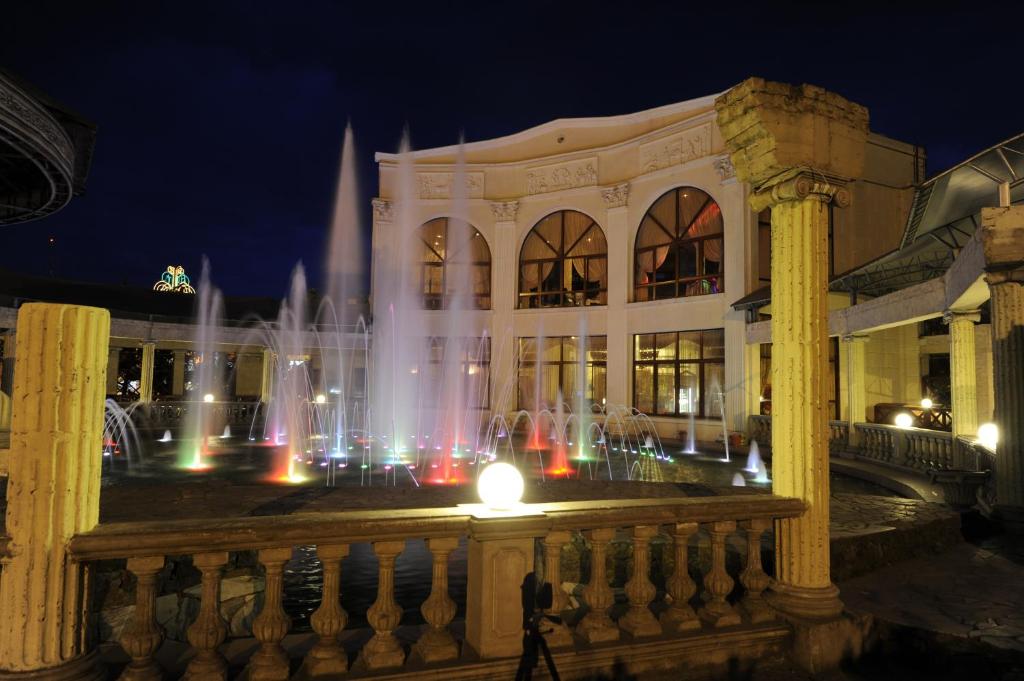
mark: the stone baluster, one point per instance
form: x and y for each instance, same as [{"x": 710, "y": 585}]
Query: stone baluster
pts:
[
  {"x": 717, "y": 583},
  {"x": 383, "y": 650},
  {"x": 327, "y": 657},
  {"x": 437, "y": 644},
  {"x": 680, "y": 616},
  {"x": 142, "y": 636},
  {"x": 209, "y": 630},
  {"x": 559, "y": 635},
  {"x": 270, "y": 662},
  {"x": 753, "y": 577},
  {"x": 597, "y": 626},
  {"x": 639, "y": 620}
]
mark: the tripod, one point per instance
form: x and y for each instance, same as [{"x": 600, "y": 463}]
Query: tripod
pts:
[{"x": 534, "y": 603}]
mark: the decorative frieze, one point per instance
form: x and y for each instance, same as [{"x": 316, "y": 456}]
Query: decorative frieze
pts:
[
  {"x": 723, "y": 165},
  {"x": 383, "y": 210},
  {"x": 505, "y": 211},
  {"x": 676, "y": 149},
  {"x": 441, "y": 185},
  {"x": 615, "y": 196},
  {"x": 561, "y": 176}
]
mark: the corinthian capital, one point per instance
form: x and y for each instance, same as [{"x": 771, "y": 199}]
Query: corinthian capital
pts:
[
  {"x": 505, "y": 211},
  {"x": 383, "y": 210},
  {"x": 616, "y": 195}
]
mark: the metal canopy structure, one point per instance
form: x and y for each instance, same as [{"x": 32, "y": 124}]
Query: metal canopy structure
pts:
[{"x": 942, "y": 219}]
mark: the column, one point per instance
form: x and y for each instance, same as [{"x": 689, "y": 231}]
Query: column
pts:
[
  {"x": 178, "y": 374},
  {"x": 146, "y": 382},
  {"x": 267, "y": 381},
  {"x": 751, "y": 380},
  {"x": 6, "y": 377},
  {"x": 854, "y": 345},
  {"x": 963, "y": 375},
  {"x": 620, "y": 254},
  {"x": 797, "y": 146},
  {"x": 53, "y": 490},
  {"x": 1002, "y": 234},
  {"x": 504, "y": 298}
]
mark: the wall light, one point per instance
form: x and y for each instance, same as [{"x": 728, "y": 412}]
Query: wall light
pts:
[{"x": 988, "y": 435}]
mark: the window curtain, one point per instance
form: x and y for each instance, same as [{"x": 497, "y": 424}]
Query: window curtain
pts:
[
  {"x": 534, "y": 249},
  {"x": 708, "y": 222}
]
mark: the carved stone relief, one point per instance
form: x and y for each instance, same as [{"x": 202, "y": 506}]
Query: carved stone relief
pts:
[
  {"x": 439, "y": 185},
  {"x": 676, "y": 149},
  {"x": 560, "y": 176}
]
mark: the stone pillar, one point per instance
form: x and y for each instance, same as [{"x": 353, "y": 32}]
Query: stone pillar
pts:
[
  {"x": 1002, "y": 236},
  {"x": 178, "y": 374},
  {"x": 751, "y": 380},
  {"x": 267, "y": 382},
  {"x": 113, "y": 364},
  {"x": 53, "y": 491},
  {"x": 146, "y": 382},
  {"x": 620, "y": 281},
  {"x": 6, "y": 377},
  {"x": 797, "y": 146},
  {"x": 501, "y": 553},
  {"x": 854, "y": 346},
  {"x": 963, "y": 375},
  {"x": 504, "y": 298}
]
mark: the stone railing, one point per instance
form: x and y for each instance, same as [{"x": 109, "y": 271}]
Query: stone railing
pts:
[
  {"x": 173, "y": 414},
  {"x": 760, "y": 429},
  {"x": 915, "y": 449},
  {"x": 838, "y": 437},
  {"x": 694, "y": 533}
]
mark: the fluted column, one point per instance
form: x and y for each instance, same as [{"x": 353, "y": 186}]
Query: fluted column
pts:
[
  {"x": 437, "y": 644},
  {"x": 559, "y": 635},
  {"x": 142, "y": 635},
  {"x": 209, "y": 629},
  {"x": 680, "y": 616},
  {"x": 855, "y": 346},
  {"x": 596, "y": 626},
  {"x": 639, "y": 620},
  {"x": 53, "y": 487},
  {"x": 383, "y": 650},
  {"x": 270, "y": 662},
  {"x": 327, "y": 657},
  {"x": 963, "y": 373},
  {"x": 146, "y": 379}
]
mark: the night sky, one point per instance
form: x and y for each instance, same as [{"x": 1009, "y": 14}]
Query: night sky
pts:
[{"x": 220, "y": 123}]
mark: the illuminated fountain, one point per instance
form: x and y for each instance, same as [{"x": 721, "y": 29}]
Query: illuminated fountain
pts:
[{"x": 199, "y": 421}]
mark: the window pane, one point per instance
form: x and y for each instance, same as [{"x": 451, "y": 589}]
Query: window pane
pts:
[
  {"x": 527, "y": 350},
  {"x": 689, "y": 388},
  {"x": 552, "y": 351},
  {"x": 666, "y": 346},
  {"x": 549, "y": 385},
  {"x": 569, "y": 387},
  {"x": 597, "y": 382},
  {"x": 569, "y": 347},
  {"x": 666, "y": 389},
  {"x": 527, "y": 386},
  {"x": 643, "y": 385},
  {"x": 644, "y": 347},
  {"x": 714, "y": 344},
  {"x": 689, "y": 345},
  {"x": 714, "y": 380}
]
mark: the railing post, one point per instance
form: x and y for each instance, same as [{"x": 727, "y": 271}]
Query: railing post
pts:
[
  {"x": 753, "y": 577},
  {"x": 596, "y": 626},
  {"x": 559, "y": 635},
  {"x": 142, "y": 636},
  {"x": 680, "y": 616},
  {"x": 717, "y": 583},
  {"x": 270, "y": 662},
  {"x": 327, "y": 657},
  {"x": 383, "y": 650},
  {"x": 437, "y": 644},
  {"x": 639, "y": 620},
  {"x": 209, "y": 630},
  {"x": 53, "y": 489}
]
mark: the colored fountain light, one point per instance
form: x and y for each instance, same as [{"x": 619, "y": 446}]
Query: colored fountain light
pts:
[
  {"x": 903, "y": 420},
  {"x": 208, "y": 397},
  {"x": 500, "y": 486},
  {"x": 988, "y": 435},
  {"x": 926, "y": 403}
]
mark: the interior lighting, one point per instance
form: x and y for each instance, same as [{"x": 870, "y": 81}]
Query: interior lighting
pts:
[
  {"x": 903, "y": 420},
  {"x": 500, "y": 486},
  {"x": 988, "y": 435}
]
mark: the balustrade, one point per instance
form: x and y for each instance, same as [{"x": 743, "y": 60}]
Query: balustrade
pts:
[
  {"x": 746, "y": 518},
  {"x": 761, "y": 429}
]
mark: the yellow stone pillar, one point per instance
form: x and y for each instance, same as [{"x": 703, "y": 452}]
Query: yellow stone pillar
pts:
[
  {"x": 856, "y": 388},
  {"x": 267, "y": 383},
  {"x": 1002, "y": 236},
  {"x": 54, "y": 489},
  {"x": 146, "y": 380},
  {"x": 797, "y": 146},
  {"x": 963, "y": 374}
]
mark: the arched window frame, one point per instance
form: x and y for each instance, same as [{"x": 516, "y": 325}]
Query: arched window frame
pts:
[
  {"x": 440, "y": 299},
  {"x": 559, "y": 259},
  {"x": 701, "y": 282}
]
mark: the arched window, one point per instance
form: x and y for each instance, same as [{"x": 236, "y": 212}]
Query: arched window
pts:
[
  {"x": 456, "y": 263},
  {"x": 679, "y": 247},
  {"x": 564, "y": 262}
]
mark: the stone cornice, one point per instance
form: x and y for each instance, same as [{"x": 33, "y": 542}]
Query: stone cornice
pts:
[
  {"x": 504, "y": 211},
  {"x": 856, "y": 338},
  {"x": 615, "y": 196}
]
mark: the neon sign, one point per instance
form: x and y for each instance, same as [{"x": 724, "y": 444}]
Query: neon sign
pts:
[{"x": 174, "y": 279}]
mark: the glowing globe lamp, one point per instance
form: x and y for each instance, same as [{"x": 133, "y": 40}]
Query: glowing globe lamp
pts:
[
  {"x": 926, "y": 403},
  {"x": 904, "y": 420},
  {"x": 208, "y": 397},
  {"x": 320, "y": 399},
  {"x": 500, "y": 486},
  {"x": 988, "y": 435}
]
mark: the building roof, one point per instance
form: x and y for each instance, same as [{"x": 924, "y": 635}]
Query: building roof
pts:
[{"x": 45, "y": 152}]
